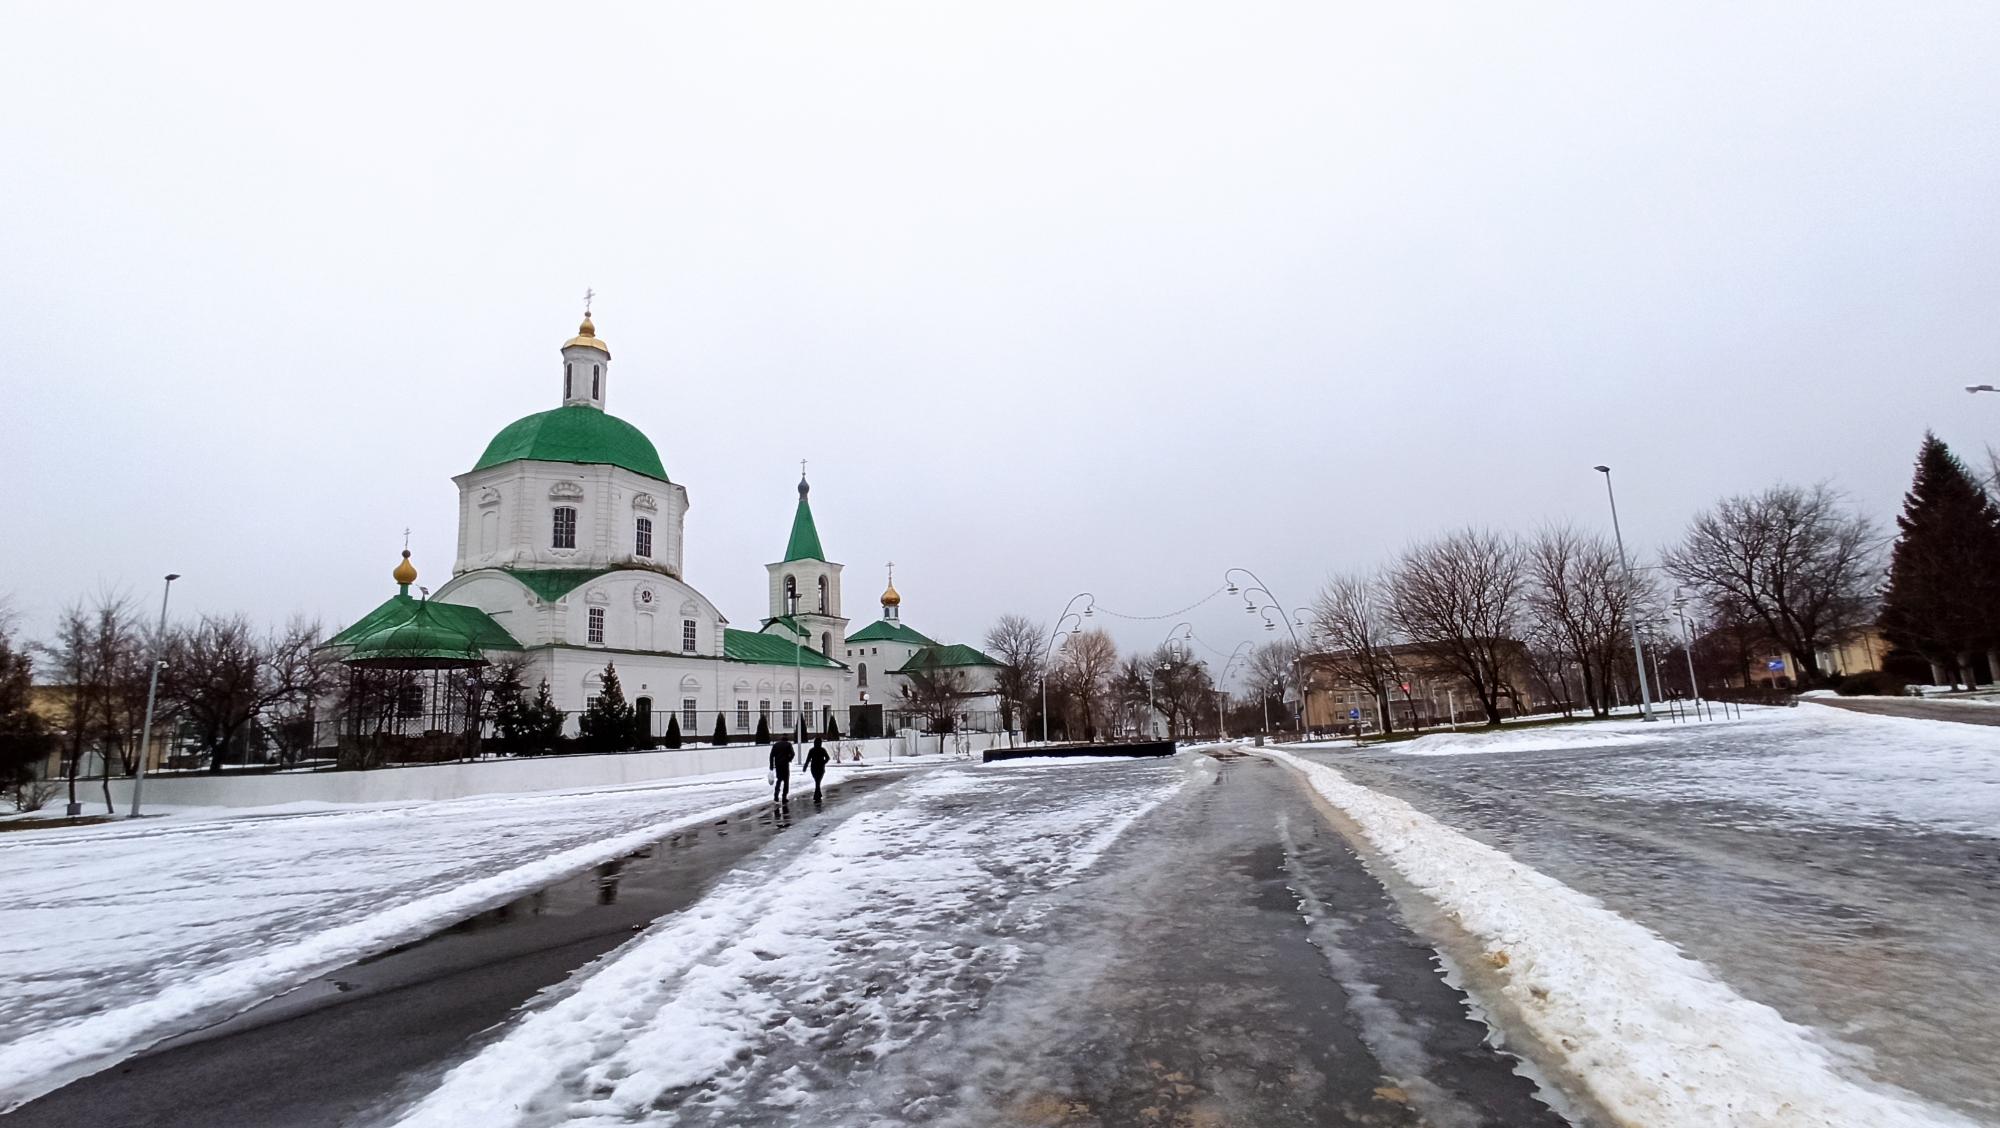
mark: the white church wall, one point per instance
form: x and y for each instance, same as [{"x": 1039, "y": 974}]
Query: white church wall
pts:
[
  {"x": 507, "y": 517},
  {"x": 505, "y": 600},
  {"x": 431, "y": 782},
  {"x": 444, "y": 781}
]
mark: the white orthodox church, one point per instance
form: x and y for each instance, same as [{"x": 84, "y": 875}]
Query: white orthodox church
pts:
[{"x": 570, "y": 555}]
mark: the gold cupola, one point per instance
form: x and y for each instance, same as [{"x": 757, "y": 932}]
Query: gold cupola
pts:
[
  {"x": 405, "y": 573},
  {"x": 891, "y": 600},
  {"x": 586, "y": 337}
]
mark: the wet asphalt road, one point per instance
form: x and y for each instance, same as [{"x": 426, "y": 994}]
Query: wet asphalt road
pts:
[
  {"x": 1959, "y": 712},
  {"x": 331, "y": 1051},
  {"x": 1234, "y": 964}
]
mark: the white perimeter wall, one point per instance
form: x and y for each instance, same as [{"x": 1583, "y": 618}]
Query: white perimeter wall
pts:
[{"x": 492, "y": 777}]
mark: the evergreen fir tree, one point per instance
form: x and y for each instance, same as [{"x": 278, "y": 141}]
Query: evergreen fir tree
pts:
[
  {"x": 763, "y": 729},
  {"x": 24, "y": 739},
  {"x": 673, "y": 737},
  {"x": 545, "y": 722},
  {"x": 1944, "y": 574},
  {"x": 832, "y": 728},
  {"x": 607, "y": 721},
  {"x": 507, "y": 705},
  {"x": 720, "y": 736}
]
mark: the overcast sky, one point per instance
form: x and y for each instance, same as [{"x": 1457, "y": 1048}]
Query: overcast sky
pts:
[{"x": 1055, "y": 297}]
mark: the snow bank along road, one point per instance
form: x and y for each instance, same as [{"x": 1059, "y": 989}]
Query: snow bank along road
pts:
[
  {"x": 1138, "y": 943},
  {"x": 113, "y": 938},
  {"x": 1799, "y": 907}
]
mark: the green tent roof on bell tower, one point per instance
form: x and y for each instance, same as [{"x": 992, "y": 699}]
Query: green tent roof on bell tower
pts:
[{"x": 804, "y": 544}]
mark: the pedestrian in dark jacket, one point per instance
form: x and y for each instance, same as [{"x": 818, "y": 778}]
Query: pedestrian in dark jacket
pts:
[
  {"x": 816, "y": 764},
  {"x": 781, "y": 771}
]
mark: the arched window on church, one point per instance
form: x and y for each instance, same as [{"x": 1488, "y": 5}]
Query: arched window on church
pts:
[
  {"x": 596, "y": 381},
  {"x": 826, "y": 643},
  {"x": 791, "y": 594},
  {"x": 569, "y": 380},
  {"x": 823, "y": 607},
  {"x": 861, "y": 676},
  {"x": 564, "y": 533},
  {"x": 642, "y": 536}
]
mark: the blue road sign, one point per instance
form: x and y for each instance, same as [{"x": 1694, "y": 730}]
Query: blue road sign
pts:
[{"x": 1354, "y": 714}]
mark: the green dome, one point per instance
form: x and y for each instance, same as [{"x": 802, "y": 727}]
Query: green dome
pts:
[{"x": 575, "y": 434}]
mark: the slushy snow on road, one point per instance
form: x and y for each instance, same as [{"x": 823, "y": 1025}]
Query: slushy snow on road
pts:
[{"x": 847, "y": 948}]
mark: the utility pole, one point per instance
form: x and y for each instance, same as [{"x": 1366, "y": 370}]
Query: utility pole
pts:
[
  {"x": 1638, "y": 655},
  {"x": 152, "y": 692}
]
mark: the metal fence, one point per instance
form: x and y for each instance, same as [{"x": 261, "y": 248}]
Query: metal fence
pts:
[{"x": 382, "y": 741}]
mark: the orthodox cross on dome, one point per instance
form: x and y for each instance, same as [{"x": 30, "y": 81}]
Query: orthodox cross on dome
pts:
[
  {"x": 406, "y": 536},
  {"x": 588, "y": 294}
]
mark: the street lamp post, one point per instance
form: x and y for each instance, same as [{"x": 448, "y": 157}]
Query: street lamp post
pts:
[
  {"x": 1236, "y": 655},
  {"x": 798, "y": 668},
  {"x": 1090, "y": 605},
  {"x": 1153, "y": 699},
  {"x": 1638, "y": 656},
  {"x": 152, "y": 692},
  {"x": 1687, "y": 651},
  {"x": 1251, "y": 592}
]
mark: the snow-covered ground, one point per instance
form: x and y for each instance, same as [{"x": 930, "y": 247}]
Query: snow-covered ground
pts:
[
  {"x": 866, "y": 939},
  {"x": 117, "y": 936},
  {"x": 1835, "y": 867}
]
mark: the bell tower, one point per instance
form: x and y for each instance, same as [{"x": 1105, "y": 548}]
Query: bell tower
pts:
[{"x": 805, "y": 586}]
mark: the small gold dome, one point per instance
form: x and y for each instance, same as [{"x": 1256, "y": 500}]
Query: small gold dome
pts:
[
  {"x": 890, "y": 598},
  {"x": 406, "y": 572},
  {"x": 586, "y": 336}
]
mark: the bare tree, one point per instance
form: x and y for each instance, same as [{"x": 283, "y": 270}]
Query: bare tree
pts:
[
  {"x": 1353, "y": 624},
  {"x": 1087, "y": 662},
  {"x": 1131, "y": 691},
  {"x": 1459, "y": 599},
  {"x": 97, "y": 655},
  {"x": 1582, "y": 604},
  {"x": 1802, "y": 566},
  {"x": 300, "y": 676},
  {"x": 1184, "y": 687},
  {"x": 1273, "y": 672},
  {"x": 222, "y": 676},
  {"x": 936, "y": 694},
  {"x": 1017, "y": 641},
  {"x": 124, "y": 646}
]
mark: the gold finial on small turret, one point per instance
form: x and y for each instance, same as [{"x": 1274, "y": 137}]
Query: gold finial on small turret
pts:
[
  {"x": 586, "y": 333},
  {"x": 890, "y": 598},
  {"x": 406, "y": 572}
]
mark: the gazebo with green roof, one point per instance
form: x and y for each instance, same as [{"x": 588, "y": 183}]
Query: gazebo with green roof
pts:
[{"x": 413, "y": 683}]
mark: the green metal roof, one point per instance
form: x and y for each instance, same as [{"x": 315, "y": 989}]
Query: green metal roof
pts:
[
  {"x": 770, "y": 650},
  {"x": 941, "y": 657},
  {"x": 574, "y": 433},
  {"x": 804, "y": 544},
  {"x": 421, "y": 630},
  {"x": 882, "y": 630},
  {"x": 551, "y": 584},
  {"x": 787, "y": 622}
]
